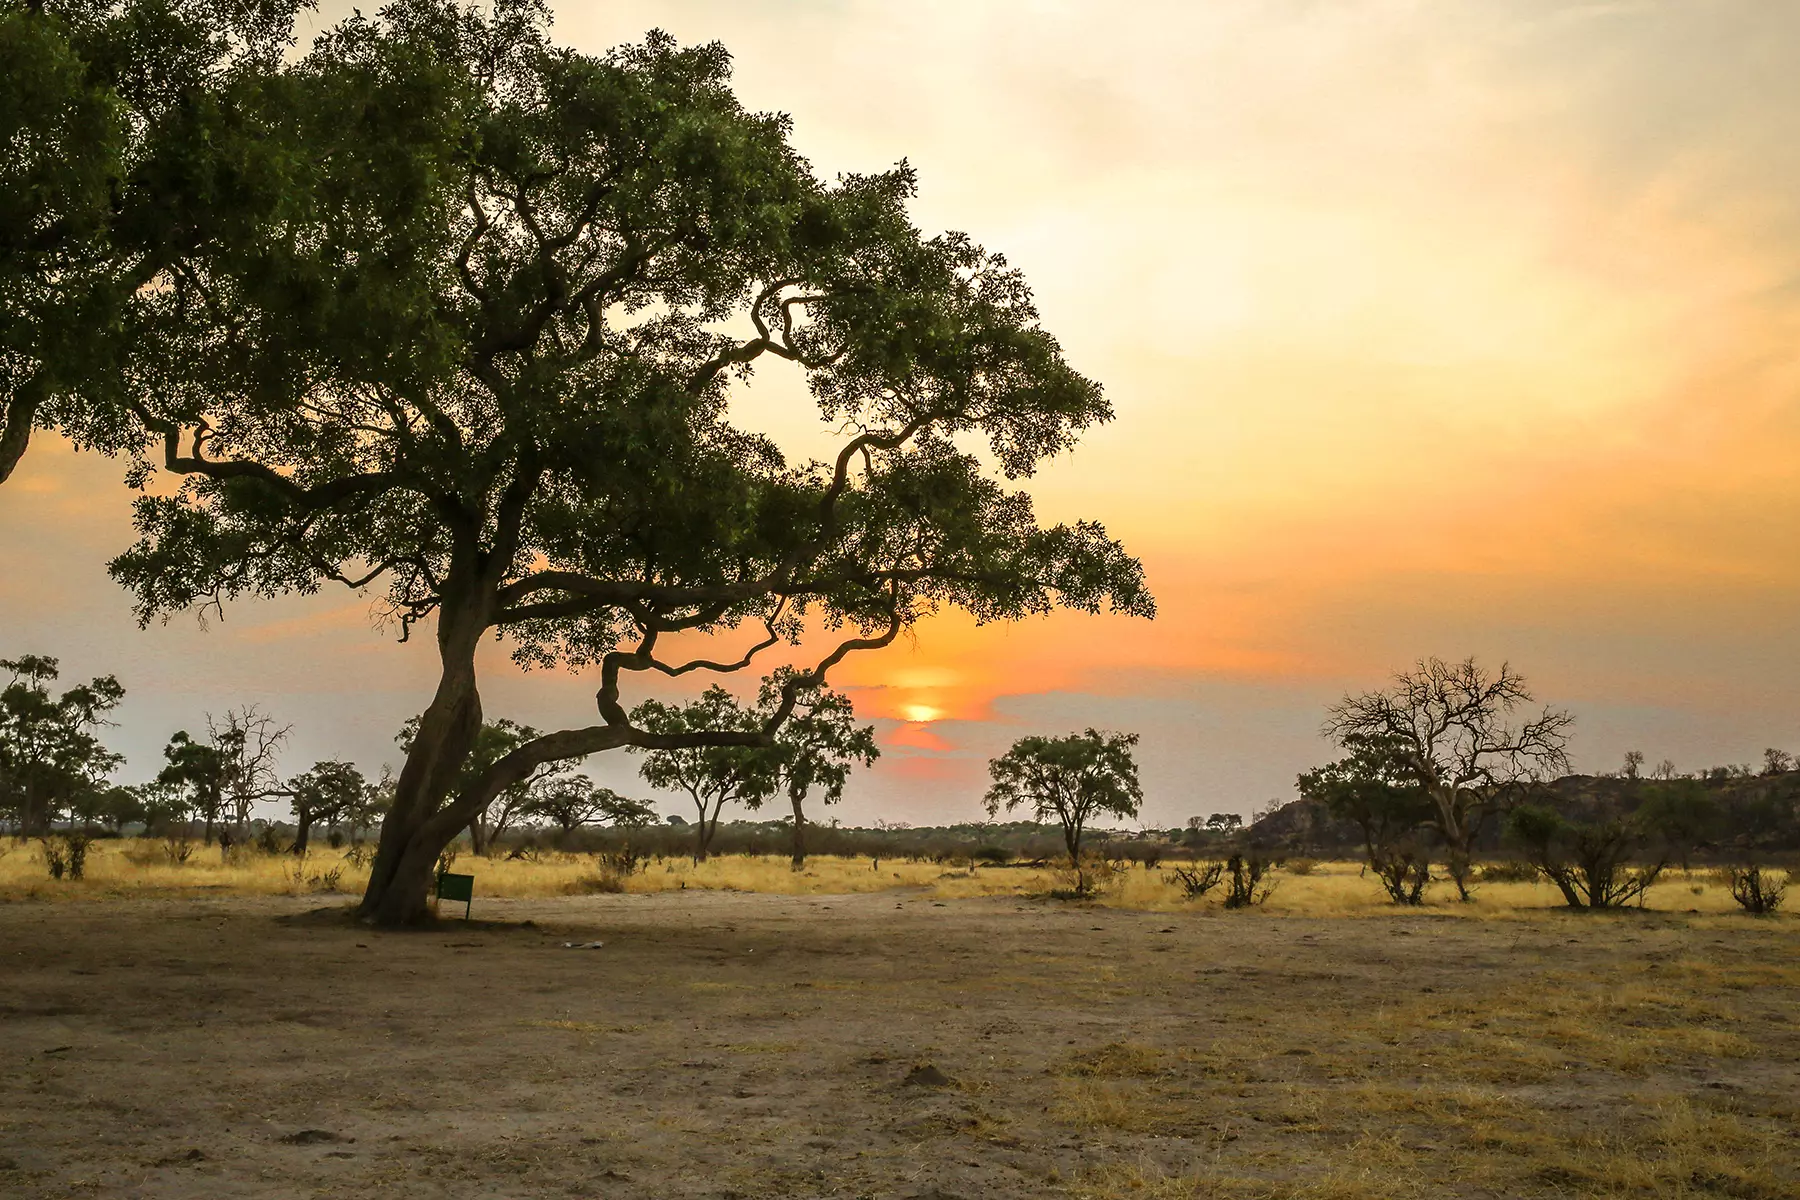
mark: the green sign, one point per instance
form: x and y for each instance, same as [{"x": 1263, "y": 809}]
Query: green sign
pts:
[{"x": 457, "y": 887}]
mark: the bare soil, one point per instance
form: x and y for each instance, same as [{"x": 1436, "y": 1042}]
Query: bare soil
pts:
[{"x": 889, "y": 1045}]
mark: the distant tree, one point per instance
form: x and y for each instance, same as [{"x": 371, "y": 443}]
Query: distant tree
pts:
[
  {"x": 1775, "y": 762},
  {"x": 1448, "y": 725},
  {"x": 229, "y": 772},
  {"x": 1664, "y": 770},
  {"x": 474, "y": 337},
  {"x": 1683, "y": 812},
  {"x": 1224, "y": 822},
  {"x": 1374, "y": 789},
  {"x": 199, "y": 769},
  {"x": 712, "y": 776},
  {"x": 571, "y": 801},
  {"x": 816, "y": 749},
  {"x": 250, "y": 741},
  {"x": 623, "y": 812},
  {"x": 326, "y": 792},
  {"x": 1634, "y": 762},
  {"x": 1590, "y": 861},
  {"x": 114, "y": 807},
  {"x": 1074, "y": 778},
  {"x": 51, "y": 755}
]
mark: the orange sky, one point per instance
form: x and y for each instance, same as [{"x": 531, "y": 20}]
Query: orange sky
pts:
[{"x": 1432, "y": 329}]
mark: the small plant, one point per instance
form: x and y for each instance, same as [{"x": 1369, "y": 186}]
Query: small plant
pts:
[
  {"x": 359, "y": 855},
  {"x": 1508, "y": 872},
  {"x": 65, "y": 854},
  {"x": 1756, "y": 891},
  {"x": 1245, "y": 886},
  {"x": 602, "y": 882},
  {"x": 1197, "y": 880},
  {"x": 269, "y": 841},
  {"x": 1300, "y": 866},
  {"x": 622, "y": 863}
]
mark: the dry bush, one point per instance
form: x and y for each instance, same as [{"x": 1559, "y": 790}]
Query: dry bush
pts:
[
  {"x": 1197, "y": 880},
  {"x": 1754, "y": 890},
  {"x": 1508, "y": 872},
  {"x": 1300, "y": 866},
  {"x": 1403, "y": 873}
]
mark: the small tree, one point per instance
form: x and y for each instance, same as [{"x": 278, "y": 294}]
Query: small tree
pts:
[
  {"x": 1225, "y": 823},
  {"x": 1373, "y": 789},
  {"x": 1634, "y": 763},
  {"x": 712, "y": 776},
  {"x": 51, "y": 757},
  {"x": 1588, "y": 860},
  {"x": 229, "y": 772},
  {"x": 816, "y": 749},
  {"x": 1073, "y": 778},
  {"x": 327, "y": 792},
  {"x": 1449, "y": 726}
]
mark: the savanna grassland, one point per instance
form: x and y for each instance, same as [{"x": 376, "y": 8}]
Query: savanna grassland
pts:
[{"x": 912, "y": 1031}]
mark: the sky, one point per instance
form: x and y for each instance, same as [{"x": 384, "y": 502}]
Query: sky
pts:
[{"x": 1431, "y": 329}]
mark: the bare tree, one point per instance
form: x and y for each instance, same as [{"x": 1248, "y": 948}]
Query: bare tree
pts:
[
  {"x": 1449, "y": 725},
  {"x": 1634, "y": 763},
  {"x": 249, "y": 740}
]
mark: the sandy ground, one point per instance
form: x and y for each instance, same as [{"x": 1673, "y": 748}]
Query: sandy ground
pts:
[{"x": 890, "y": 1045}]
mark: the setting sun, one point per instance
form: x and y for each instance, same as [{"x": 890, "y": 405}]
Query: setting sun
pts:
[{"x": 921, "y": 712}]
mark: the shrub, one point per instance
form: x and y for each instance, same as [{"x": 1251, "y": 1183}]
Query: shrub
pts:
[
  {"x": 598, "y": 883},
  {"x": 1403, "y": 872},
  {"x": 1245, "y": 887},
  {"x": 1755, "y": 891},
  {"x": 65, "y": 854},
  {"x": 1508, "y": 872},
  {"x": 993, "y": 855},
  {"x": 1300, "y": 866},
  {"x": 1588, "y": 861},
  {"x": 621, "y": 863},
  {"x": 1197, "y": 880}
]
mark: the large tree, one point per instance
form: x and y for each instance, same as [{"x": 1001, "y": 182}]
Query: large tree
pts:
[
  {"x": 1074, "y": 779},
  {"x": 120, "y": 167},
  {"x": 816, "y": 749},
  {"x": 1451, "y": 728},
  {"x": 52, "y": 760},
  {"x": 484, "y": 354}
]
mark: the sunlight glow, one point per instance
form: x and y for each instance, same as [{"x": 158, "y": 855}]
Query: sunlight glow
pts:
[{"x": 921, "y": 713}]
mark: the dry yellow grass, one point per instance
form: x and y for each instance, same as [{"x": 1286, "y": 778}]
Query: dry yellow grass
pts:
[{"x": 128, "y": 867}]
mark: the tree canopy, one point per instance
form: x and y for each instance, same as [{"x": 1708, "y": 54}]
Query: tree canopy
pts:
[
  {"x": 121, "y": 168},
  {"x": 465, "y": 327}
]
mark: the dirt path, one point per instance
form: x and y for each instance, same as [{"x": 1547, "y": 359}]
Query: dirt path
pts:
[{"x": 725, "y": 1045}]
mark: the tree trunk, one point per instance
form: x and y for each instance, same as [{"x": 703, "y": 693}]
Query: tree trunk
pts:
[
  {"x": 302, "y": 829},
  {"x": 799, "y": 833},
  {"x": 408, "y": 848}
]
